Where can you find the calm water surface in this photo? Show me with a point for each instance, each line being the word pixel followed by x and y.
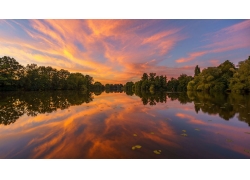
pixel 118 125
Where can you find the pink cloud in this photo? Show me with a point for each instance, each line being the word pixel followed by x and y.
pixel 214 62
pixel 191 56
pixel 191 119
pixel 230 38
pixel 226 39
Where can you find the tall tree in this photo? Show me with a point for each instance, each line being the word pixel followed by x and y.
pixel 144 77
pixel 152 76
pixel 197 70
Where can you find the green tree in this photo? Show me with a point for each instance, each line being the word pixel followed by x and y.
pixel 76 81
pixel 213 79
pixel 10 72
pixel 183 80
pixel 241 77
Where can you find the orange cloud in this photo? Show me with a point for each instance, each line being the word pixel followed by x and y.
pixel 89 46
pixel 123 49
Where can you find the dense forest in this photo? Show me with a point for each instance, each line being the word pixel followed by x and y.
pixel 14 76
pixel 225 77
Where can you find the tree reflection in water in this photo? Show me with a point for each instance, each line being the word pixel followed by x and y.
pixel 15 104
pixel 225 105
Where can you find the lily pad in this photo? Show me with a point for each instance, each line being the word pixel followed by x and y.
pixel 184 131
pixel 152 133
pixel 136 147
pixel 197 129
pixel 157 151
pixel 247 132
pixel 134 134
pixel 184 134
pixel 229 140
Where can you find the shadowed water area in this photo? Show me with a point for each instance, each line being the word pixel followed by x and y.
pixel 73 124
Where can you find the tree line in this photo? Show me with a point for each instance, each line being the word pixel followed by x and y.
pixel 14 76
pixel 225 77
pixel 149 82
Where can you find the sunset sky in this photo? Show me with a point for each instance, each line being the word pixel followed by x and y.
pixel 118 51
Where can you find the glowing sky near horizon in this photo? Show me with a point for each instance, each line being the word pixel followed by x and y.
pixel 118 51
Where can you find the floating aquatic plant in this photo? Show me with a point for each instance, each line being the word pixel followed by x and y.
pixel 152 133
pixel 136 147
pixel 184 134
pixel 184 131
pixel 197 129
pixel 134 134
pixel 157 151
pixel 229 140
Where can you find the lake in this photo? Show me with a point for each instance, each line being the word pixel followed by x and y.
pixel 71 124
